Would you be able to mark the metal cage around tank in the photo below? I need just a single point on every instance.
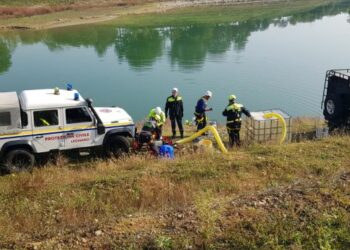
(261, 130)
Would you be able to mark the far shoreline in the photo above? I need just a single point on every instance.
(129, 14)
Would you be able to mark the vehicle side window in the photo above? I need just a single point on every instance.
(45, 118)
(5, 119)
(77, 115)
(24, 118)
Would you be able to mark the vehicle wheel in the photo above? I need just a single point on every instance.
(19, 160)
(333, 107)
(118, 146)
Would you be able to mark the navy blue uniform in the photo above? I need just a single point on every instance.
(201, 118)
(233, 112)
(174, 106)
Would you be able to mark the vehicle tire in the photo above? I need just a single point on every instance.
(19, 160)
(333, 107)
(118, 146)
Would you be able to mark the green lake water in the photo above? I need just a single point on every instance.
(270, 63)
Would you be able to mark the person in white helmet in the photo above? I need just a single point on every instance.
(201, 109)
(174, 107)
(159, 116)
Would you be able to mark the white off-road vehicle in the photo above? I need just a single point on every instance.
(40, 122)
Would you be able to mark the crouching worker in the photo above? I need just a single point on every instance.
(149, 134)
(158, 116)
(233, 112)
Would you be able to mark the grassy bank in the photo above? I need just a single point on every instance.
(223, 14)
(167, 13)
(23, 3)
(22, 8)
(265, 196)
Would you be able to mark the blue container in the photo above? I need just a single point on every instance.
(76, 97)
(166, 151)
(69, 86)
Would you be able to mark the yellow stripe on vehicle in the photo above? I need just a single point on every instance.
(16, 134)
(118, 124)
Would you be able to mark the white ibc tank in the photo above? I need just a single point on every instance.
(261, 130)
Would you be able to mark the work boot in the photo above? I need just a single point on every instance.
(182, 134)
(174, 135)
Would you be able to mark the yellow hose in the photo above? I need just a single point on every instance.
(281, 119)
(200, 132)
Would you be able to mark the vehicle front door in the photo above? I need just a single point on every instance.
(79, 127)
(47, 130)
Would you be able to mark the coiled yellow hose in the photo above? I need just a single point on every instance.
(200, 132)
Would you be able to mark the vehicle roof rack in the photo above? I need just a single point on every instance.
(341, 73)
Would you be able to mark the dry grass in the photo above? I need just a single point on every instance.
(258, 193)
(307, 124)
(30, 11)
(26, 9)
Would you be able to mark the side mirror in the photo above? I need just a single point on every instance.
(89, 101)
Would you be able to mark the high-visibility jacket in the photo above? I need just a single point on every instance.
(160, 119)
(233, 112)
(44, 122)
(174, 106)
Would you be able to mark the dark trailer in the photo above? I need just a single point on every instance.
(336, 98)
